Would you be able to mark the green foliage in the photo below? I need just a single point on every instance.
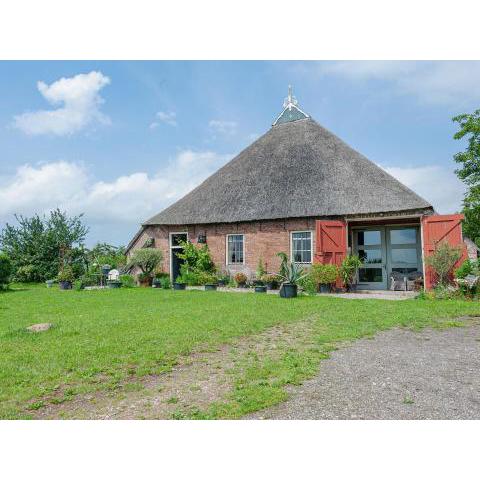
(283, 264)
(5, 270)
(469, 172)
(165, 282)
(323, 274)
(66, 274)
(78, 285)
(128, 281)
(105, 254)
(270, 278)
(193, 277)
(308, 284)
(443, 260)
(43, 245)
(261, 270)
(196, 258)
(146, 259)
(348, 268)
(89, 279)
(466, 268)
(293, 273)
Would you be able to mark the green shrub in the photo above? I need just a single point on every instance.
(5, 270)
(348, 268)
(89, 279)
(66, 274)
(261, 270)
(196, 259)
(165, 282)
(308, 284)
(442, 262)
(324, 274)
(78, 285)
(467, 268)
(27, 274)
(127, 281)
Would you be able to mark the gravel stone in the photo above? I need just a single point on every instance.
(399, 374)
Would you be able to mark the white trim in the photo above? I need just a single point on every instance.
(290, 107)
(227, 263)
(170, 248)
(311, 232)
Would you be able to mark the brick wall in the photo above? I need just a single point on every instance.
(261, 240)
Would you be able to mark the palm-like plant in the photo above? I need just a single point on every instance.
(293, 273)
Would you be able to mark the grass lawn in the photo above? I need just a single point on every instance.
(101, 339)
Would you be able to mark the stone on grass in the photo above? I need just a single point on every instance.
(39, 327)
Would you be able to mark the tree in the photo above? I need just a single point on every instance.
(146, 259)
(5, 270)
(39, 247)
(443, 261)
(469, 173)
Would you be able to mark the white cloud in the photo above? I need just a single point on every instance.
(78, 102)
(127, 199)
(170, 118)
(438, 185)
(441, 82)
(223, 127)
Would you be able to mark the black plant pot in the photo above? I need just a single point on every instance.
(325, 288)
(210, 286)
(288, 290)
(261, 289)
(221, 283)
(114, 284)
(65, 285)
(272, 285)
(242, 285)
(156, 283)
(179, 286)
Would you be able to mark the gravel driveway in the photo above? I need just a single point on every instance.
(399, 374)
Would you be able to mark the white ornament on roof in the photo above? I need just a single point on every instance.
(291, 100)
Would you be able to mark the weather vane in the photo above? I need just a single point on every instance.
(290, 101)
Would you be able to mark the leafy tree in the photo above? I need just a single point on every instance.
(39, 247)
(443, 260)
(469, 172)
(146, 259)
(105, 254)
(196, 259)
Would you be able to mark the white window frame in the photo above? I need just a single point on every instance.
(227, 263)
(292, 258)
(173, 247)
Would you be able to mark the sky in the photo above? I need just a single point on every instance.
(120, 141)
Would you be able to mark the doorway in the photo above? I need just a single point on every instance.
(384, 250)
(175, 249)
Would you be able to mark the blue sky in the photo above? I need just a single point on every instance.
(119, 141)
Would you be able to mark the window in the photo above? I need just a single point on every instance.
(235, 251)
(176, 238)
(403, 236)
(302, 247)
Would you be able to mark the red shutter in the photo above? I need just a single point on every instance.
(331, 246)
(437, 229)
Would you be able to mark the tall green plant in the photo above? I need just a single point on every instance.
(196, 258)
(146, 259)
(348, 269)
(443, 261)
(5, 270)
(283, 264)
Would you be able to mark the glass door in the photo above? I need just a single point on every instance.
(369, 245)
(404, 250)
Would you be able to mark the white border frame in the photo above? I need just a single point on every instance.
(311, 232)
(170, 248)
(226, 250)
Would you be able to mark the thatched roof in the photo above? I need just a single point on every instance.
(297, 169)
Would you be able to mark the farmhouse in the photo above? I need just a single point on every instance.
(300, 189)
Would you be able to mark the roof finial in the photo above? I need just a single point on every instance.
(290, 100)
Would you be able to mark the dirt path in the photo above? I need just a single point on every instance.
(194, 384)
(399, 374)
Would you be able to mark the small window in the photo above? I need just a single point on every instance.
(235, 251)
(176, 238)
(302, 247)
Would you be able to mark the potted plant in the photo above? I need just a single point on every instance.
(259, 274)
(260, 288)
(270, 281)
(179, 284)
(324, 275)
(292, 275)
(240, 279)
(209, 281)
(165, 282)
(145, 279)
(50, 283)
(147, 260)
(66, 278)
(223, 280)
(348, 271)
